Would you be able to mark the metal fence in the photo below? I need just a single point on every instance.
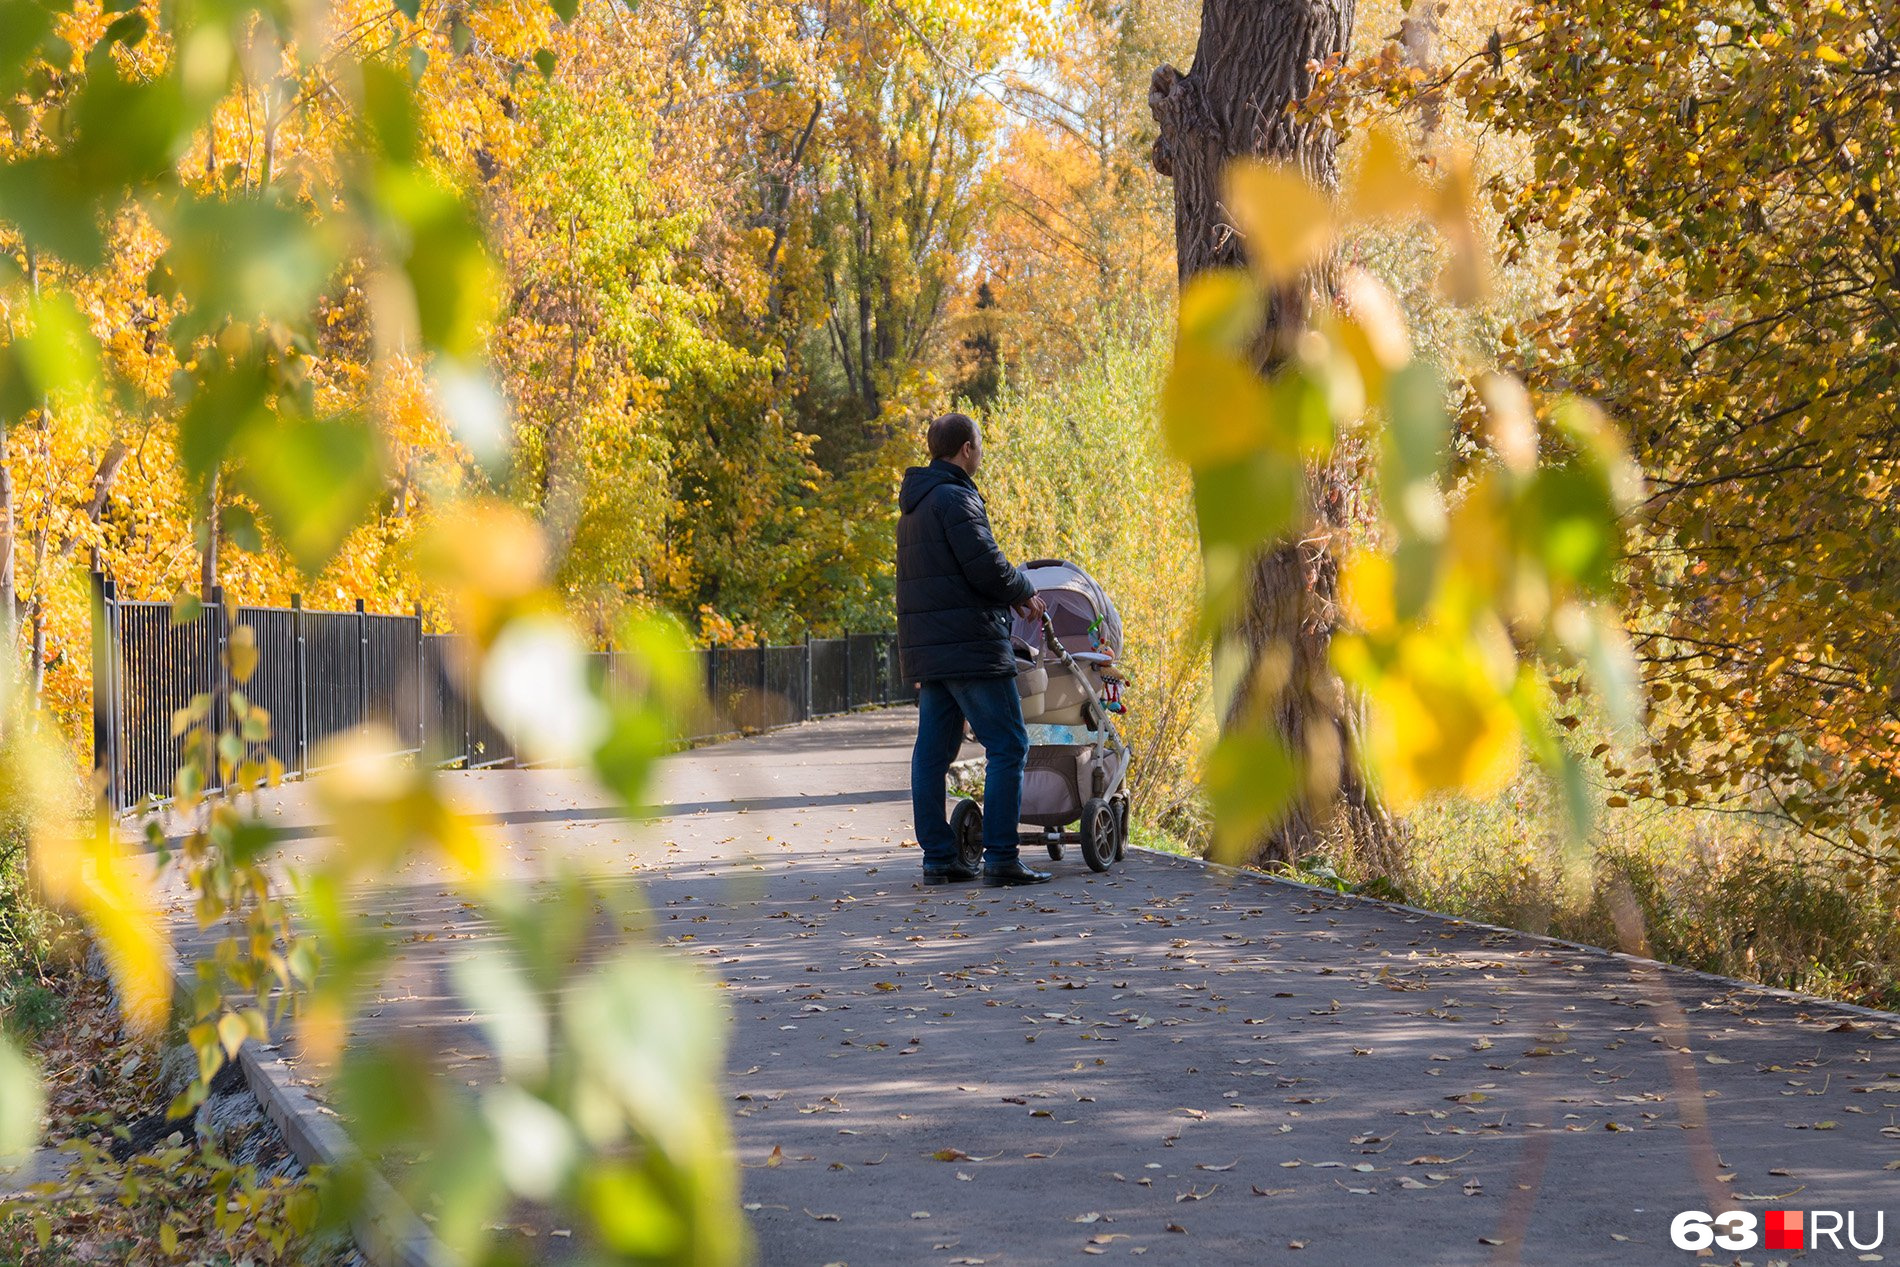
(325, 674)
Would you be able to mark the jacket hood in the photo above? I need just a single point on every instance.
(921, 481)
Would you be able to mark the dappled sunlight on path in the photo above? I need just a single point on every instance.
(1167, 1060)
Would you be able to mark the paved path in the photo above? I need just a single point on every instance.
(1169, 1061)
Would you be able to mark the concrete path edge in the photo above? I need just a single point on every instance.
(385, 1229)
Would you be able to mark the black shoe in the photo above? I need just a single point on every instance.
(953, 873)
(1014, 873)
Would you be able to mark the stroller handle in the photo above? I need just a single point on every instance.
(1050, 563)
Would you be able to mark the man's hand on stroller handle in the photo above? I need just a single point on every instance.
(1034, 609)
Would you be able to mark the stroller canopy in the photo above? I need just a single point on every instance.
(1084, 616)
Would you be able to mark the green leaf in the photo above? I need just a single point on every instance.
(1597, 635)
(1573, 525)
(389, 106)
(240, 528)
(565, 8)
(23, 25)
(228, 398)
(315, 479)
(545, 61)
(1418, 435)
(53, 208)
(129, 30)
(1252, 780)
(512, 1015)
(440, 247)
(126, 134)
(633, 1215)
(22, 1101)
(534, 1144)
(243, 260)
(1246, 502)
(57, 360)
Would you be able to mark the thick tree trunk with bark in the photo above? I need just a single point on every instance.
(1253, 60)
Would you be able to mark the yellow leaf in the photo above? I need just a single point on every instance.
(232, 1031)
(1219, 308)
(111, 889)
(1287, 224)
(1213, 407)
(1387, 181)
(241, 650)
(1365, 592)
(1371, 328)
(1439, 722)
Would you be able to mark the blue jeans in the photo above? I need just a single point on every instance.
(995, 714)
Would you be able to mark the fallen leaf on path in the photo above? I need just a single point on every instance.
(825, 1218)
(1229, 1166)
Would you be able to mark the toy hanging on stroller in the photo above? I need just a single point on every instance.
(1067, 678)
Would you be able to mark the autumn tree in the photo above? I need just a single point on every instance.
(1723, 250)
(1081, 224)
(1254, 61)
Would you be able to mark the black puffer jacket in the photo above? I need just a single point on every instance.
(954, 587)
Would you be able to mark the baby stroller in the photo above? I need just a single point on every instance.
(1067, 678)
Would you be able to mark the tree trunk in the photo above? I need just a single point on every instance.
(9, 587)
(1251, 63)
(208, 571)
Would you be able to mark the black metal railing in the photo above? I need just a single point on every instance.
(325, 674)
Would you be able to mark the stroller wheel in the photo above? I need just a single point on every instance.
(1098, 833)
(1121, 829)
(1055, 850)
(966, 826)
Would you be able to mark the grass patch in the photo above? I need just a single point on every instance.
(1742, 896)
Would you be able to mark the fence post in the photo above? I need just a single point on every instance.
(300, 735)
(884, 667)
(115, 699)
(764, 656)
(221, 675)
(421, 713)
(362, 665)
(467, 660)
(102, 701)
(848, 704)
(712, 675)
(805, 707)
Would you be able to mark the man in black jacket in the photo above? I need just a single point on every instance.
(954, 592)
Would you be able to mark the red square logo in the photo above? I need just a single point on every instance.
(1784, 1229)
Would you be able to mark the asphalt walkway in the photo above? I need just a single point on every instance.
(1169, 1062)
